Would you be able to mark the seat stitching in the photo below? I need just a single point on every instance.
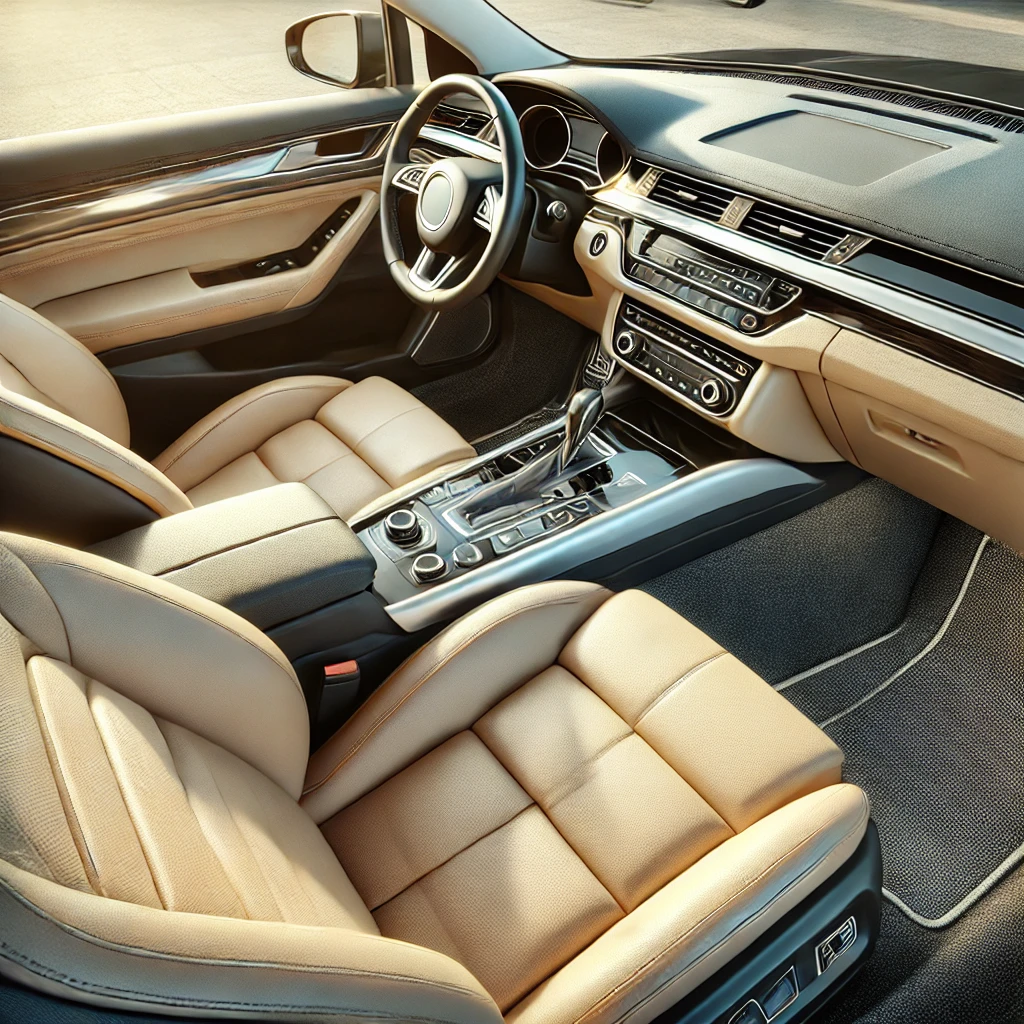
(202, 831)
(584, 773)
(88, 862)
(638, 974)
(672, 687)
(380, 426)
(179, 958)
(458, 853)
(387, 713)
(565, 838)
(120, 789)
(255, 398)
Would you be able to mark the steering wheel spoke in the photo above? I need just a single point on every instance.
(431, 269)
(409, 177)
(488, 209)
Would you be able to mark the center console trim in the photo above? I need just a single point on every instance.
(679, 502)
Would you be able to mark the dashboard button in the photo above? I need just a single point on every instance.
(599, 243)
(467, 555)
(428, 567)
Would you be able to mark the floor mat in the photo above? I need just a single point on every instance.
(931, 719)
(814, 586)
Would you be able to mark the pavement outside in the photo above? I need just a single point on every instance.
(75, 63)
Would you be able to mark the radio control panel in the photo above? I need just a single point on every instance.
(694, 368)
(745, 297)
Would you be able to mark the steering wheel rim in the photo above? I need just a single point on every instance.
(468, 180)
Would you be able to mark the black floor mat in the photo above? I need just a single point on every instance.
(932, 724)
(534, 365)
(810, 588)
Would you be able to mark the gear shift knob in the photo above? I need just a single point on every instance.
(585, 408)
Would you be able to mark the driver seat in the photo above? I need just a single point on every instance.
(351, 443)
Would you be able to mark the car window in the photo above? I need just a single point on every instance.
(78, 64)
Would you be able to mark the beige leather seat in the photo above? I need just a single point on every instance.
(351, 443)
(568, 808)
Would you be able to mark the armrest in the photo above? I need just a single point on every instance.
(270, 556)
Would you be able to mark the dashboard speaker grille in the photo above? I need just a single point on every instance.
(799, 232)
(689, 195)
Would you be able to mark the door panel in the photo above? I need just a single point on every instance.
(136, 282)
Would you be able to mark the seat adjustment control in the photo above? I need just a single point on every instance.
(403, 527)
(428, 567)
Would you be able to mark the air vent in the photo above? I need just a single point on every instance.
(689, 195)
(789, 229)
(465, 122)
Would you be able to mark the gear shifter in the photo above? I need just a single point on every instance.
(526, 485)
(585, 408)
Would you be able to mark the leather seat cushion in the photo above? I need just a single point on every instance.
(351, 443)
(518, 842)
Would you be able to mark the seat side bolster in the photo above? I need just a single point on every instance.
(700, 921)
(183, 658)
(445, 687)
(81, 946)
(242, 424)
(33, 423)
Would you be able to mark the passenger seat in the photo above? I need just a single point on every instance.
(570, 807)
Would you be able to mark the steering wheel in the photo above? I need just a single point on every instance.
(468, 209)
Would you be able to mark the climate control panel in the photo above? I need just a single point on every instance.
(694, 368)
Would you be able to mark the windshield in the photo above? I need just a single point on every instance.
(800, 32)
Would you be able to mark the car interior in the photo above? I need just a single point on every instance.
(535, 544)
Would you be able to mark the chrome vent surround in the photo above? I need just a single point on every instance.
(465, 122)
(790, 229)
(690, 195)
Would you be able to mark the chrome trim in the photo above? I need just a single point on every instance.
(468, 144)
(731, 297)
(189, 186)
(416, 271)
(924, 313)
(672, 505)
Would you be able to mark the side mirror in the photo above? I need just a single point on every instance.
(345, 48)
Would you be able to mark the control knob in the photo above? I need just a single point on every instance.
(626, 343)
(403, 527)
(428, 567)
(713, 394)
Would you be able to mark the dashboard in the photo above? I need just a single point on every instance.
(826, 276)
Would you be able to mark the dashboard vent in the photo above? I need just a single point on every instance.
(465, 122)
(689, 195)
(799, 232)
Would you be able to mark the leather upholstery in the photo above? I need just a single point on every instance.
(352, 444)
(567, 807)
(549, 789)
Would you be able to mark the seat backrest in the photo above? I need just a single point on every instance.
(67, 470)
(152, 850)
(40, 361)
